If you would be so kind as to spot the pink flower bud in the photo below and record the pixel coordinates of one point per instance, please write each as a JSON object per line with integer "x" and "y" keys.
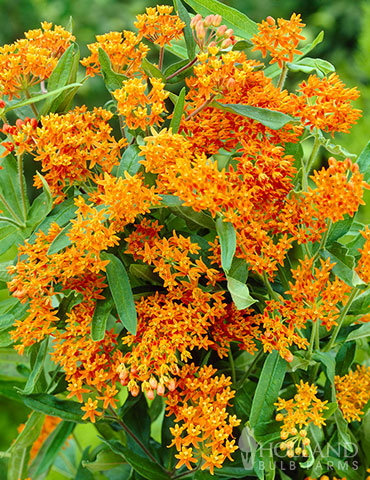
{"x": 200, "y": 31}
{"x": 153, "y": 383}
{"x": 217, "y": 19}
{"x": 195, "y": 20}
{"x": 226, "y": 43}
{"x": 160, "y": 389}
{"x": 208, "y": 21}
{"x": 229, "y": 32}
{"x": 171, "y": 385}
{"x": 150, "y": 394}
{"x": 221, "y": 30}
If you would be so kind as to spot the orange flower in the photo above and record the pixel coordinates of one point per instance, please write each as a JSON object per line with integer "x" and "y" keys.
{"x": 90, "y": 408}
{"x": 353, "y": 392}
{"x": 125, "y": 52}
{"x": 159, "y": 26}
{"x": 30, "y": 60}
{"x": 138, "y": 108}
{"x": 279, "y": 40}
{"x": 326, "y": 104}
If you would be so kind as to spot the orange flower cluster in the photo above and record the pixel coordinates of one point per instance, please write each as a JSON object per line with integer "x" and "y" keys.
{"x": 300, "y": 411}
{"x": 353, "y": 392}
{"x": 159, "y": 26}
{"x": 48, "y": 426}
{"x": 90, "y": 144}
{"x": 32, "y": 59}
{"x": 39, "y": 276}
{"x": 125, "y": 52}
{"x": 202, "y": 425}
{"x": 325, "y": 103}
{"x": 280, "y": 40}
{"x": 138, "y": 108}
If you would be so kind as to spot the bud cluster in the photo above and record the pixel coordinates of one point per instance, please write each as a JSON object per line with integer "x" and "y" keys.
{"x": 296, "y": 441}
{"x": 11, "y": 130}
{"x": 209, "y": 32}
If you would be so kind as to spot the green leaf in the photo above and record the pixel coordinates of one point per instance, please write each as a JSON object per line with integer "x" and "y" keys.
{"x": 63, "y": 74}
{"x": 41, "y": 206}
{"x": 8, "y": 389}
{"x": 39, "y": 98}
{"x": 9, "y": 235}
{"x": 129, "y": 161}
{"x": 227, "y": 236}
{"x": 270, "y": 118}
{"x": 60, "y": 241}
{"x": 342, "y": 467}
{"x": 145, "y": 467}
{"x": 344, "y": 358}
{"x": 332, "y": 407}
{"x": 344, "y": 264}
{"x": 100, "y": 316}
{"x": 328, "y": 363}
{"x": 18, "y": 463}
{"x": 188, "y": 33}
{"x": 199, "y": 219}
{"x": 60, "y": 214}
{"x": 177, "y": 50}
{"x": 10, "y": 189}
{"x": 267, "y": 391}
{"x": 105, "y": 460}
{"x": 112, "y": 80}
{"x": 310, "y": 460}
{"x": 242, "y": 25}
{"x": 50, "y": 405}
{"x": 151, "y": 70}
{"x": 82, "y": 472}
{"x": 120, "y": 288}
{"x": 362, "y": 332}
{"x": 274, "y": 70}
{"x": 334, "y": 148}
{"x": 50, "y": 449}
{"x": 4, "y": 275}
{"x": 30, "y": 432}
{"x": 239, "y": 293}
{"x": 178, "y": 111}
{"x": 339, "y": 229}
{"x": 363, "y": 162}
{"x": 37, "y": 368}
{"x": 309, "y": 65}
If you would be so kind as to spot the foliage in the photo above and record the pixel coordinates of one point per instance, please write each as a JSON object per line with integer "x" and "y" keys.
{"x": 185, "y": 284}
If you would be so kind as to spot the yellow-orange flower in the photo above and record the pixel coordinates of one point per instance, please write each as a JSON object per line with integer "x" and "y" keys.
{"x": 353, "y": 392}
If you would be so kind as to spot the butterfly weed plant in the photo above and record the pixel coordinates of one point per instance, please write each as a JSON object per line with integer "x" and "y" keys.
{"x": 185, "y": 280}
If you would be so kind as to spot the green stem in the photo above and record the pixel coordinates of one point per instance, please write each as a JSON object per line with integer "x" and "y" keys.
{"x": 188, "y": 65}
{"x": 32, "y": 105}
{"x": 341, "y": 318}
{"x": 282, "y": 78}
{"x": 250, "y": 368}
{"x": 314, "y": 152}
{"x": 315, "y": 328}
{"x": 11, "y": 211}
{"x": 232, "y": 366}
{"x": 21, "y": 183}
{"x": 160, "y": 61}
{"x": 10, "y": 220}
{"x": 134, "y": 437}
{"x": 272, "y": 293}
{"x": 199, "y": 109}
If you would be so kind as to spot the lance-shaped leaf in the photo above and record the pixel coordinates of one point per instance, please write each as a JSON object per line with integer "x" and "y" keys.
{"x": 142, "y": 465}
{"x": 50, "y": 405}
{"x": 130, "y": 161}
{"x": 270, "y": 118}
{"x": 18, "y": 463}
{"x": 119, "y": 285}
{"x": 242, "y": 25}
{"x": 112, "y": 80}
{"x": 267, "y": 391}
{"x": 344, "y": 264}
{"x": 30, "y": 432}
{"x": 10, "y": 190}
{"x": 361, "y": 332}
{"x": 37, "y": 368}
{"x": 178, "y": 112}
{"x": 60, "y": 241}
{"x": 41, "y": 206}
{"x": 227, "y": 235}
{"x": 43, "y": 96}
{"x": 188, "y": 33}
{"x": 50, "y": 449}
{"x": 100, "y": 316}
{"x": 151, "y": 70}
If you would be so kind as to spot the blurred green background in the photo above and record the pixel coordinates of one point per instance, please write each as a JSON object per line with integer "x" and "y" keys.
{"x": 346, "y": 45}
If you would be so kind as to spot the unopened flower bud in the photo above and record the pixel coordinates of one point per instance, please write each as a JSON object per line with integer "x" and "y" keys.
{"x": 208, "y": 21}
{"x": 217, "y": 19}
{"x": 221, "y": 31}
{"x": 34, "y": 123}
{"x": 195, "y": 20}
{"x": 19, "y": 123}
{"x": 226, "y": 43}
{"x": 305, "y": 452}
{"x": 229, "y": 32}
{"x": 200, "y": 31}
{"x": 279, "y": 417}
{"x": 270, "y": 20}
{"x": 153, "y": 383}
{"x": 2, "y": 104}
{"x": 150, "y": 394}
{"x": 298, "y": 450}
{"x": 160, "y": 389}
{"x": 306, "y": 441}
{"x": 171, "y": 385}
{"x": 283, "y": 446}
{"x": 290, "y": 453}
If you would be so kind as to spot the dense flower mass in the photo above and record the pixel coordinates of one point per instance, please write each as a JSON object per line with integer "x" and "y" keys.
{"x": 183, "y": 254}
{"x": 32, "y": 59}
{"x": 353, "y": 392}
